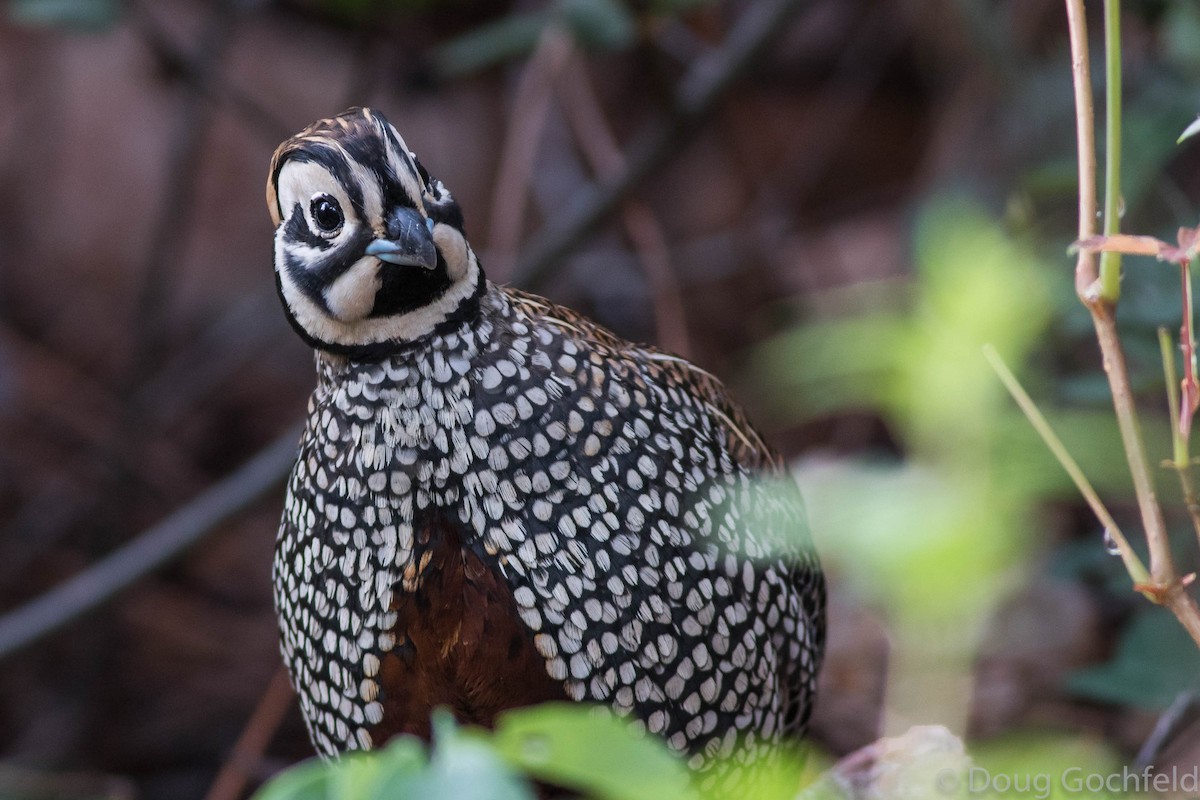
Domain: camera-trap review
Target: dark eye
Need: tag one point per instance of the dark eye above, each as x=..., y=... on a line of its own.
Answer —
x=326, y=213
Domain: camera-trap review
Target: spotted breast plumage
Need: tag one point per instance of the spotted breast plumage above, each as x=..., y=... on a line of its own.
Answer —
x=497, y=502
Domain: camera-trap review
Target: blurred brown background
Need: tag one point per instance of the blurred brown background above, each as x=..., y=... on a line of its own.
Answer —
x=143, y=355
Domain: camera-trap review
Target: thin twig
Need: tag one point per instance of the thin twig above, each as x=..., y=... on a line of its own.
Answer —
x=1085, y=141
x=148, y=551
x=248, y=750
x=1133, y=564
x=1162, y=567
x=1189, y=397
x=526, y=123
x=73, y=404
x=209, y=358
x=157, y=467
x=71, y=412
x=599, y=147
x=1179, y=714
x=1182, y=461
x=169, y=233
x=1179, y=444
x=168, y=237
x=1181, y=604
x=193, y=71
x=854, y=79
x=760, y=25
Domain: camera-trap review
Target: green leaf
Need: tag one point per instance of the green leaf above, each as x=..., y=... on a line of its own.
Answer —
x=463, y=766
x=829, y=364
x=1180, y=30
x=466, y=765
x=1155, y=661
x=588, y=749
x=307, y=781
x=599, y=24
x=82, y=15
x=507, y=38
x=467, y=769
x=382, y=774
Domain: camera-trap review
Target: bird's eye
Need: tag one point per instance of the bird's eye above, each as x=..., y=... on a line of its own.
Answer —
x=326, y=213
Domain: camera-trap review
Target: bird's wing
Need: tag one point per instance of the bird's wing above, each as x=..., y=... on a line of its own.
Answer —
x=749, y=447
x=658, y=554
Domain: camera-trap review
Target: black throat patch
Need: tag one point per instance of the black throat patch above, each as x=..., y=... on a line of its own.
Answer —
x=407, y=288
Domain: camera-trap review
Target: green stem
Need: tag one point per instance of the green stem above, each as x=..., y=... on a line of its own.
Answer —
x=1133, y=564
x=1182, y=463
x=1179, y=444
x=1110, y=263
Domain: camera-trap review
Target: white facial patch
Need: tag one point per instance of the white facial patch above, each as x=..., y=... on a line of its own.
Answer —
x=453, y=247
x=352, y=295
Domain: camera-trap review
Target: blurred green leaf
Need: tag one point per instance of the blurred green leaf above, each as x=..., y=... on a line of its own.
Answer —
x=582, y=748
x=933, y=535
x=310, y=780
x=827, y=365
x=599, y=24
x=589, y=749
x=509, y=37
x=380, y=774
x=1155, y=661
x=924, y=542
x=596, y=24
x=462, y=766
x=81, y=15
x=977, y=286
x=1181, y=36
x=356, y=776
x=1023, y=464
x=465, y=764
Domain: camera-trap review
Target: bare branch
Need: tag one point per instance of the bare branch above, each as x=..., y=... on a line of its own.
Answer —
x=193, y=70
x=1165, y=586
x=248, y=750
x=156, y=546
x=760, y=25
x=1133, y=564
x=526, y=122
x=606, y=160
x=192, y=123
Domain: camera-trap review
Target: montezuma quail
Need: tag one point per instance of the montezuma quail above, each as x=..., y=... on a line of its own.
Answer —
x=498, y=502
